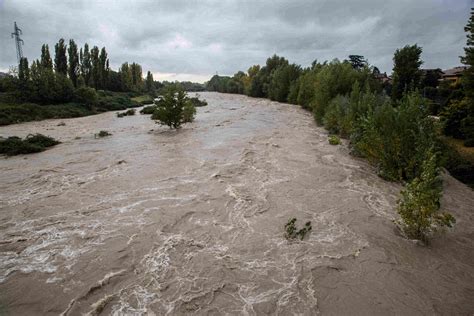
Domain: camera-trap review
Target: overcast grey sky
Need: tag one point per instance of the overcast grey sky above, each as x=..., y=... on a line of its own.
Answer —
x=192, y=40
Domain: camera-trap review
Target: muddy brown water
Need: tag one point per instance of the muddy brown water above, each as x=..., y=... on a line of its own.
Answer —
x=151, y=221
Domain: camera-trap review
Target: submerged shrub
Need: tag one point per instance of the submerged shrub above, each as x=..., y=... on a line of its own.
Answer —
x=420, y=202
x=195, y=101
x=292, y=232
x=174, y=109
x=189, y=111
x=148, y=109
x=126, y=113
x=334, y=140
x=31, y=144
x=103, y=134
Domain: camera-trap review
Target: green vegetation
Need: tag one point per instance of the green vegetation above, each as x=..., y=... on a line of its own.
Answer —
x=143, y=99
x=148, y=109
x=102, y=134
x=31, y=144
x=292, y=232
x=406, y=70
x=129, y=112
x=420, y=202
x=459, y=160
x=197, y=102
x=24, y=112
x=77, y=82
x=174, y=108
x=334, y=140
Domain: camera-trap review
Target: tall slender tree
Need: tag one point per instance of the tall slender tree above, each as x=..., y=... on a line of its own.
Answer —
x=23, y=70
x=95, y=71
x=46, y=61
x=103, y=68
x=468, y=58
x=149, y=83
x=73, y=57
x=136, y=71
x=125, y=76
x=60, y=59
x=86, y=66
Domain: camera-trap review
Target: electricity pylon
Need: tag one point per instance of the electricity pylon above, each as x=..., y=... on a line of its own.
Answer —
x=19, y=42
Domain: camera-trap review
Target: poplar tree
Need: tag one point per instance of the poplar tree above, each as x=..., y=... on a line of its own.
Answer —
x=46, y=61
x=149, y=83
x=73, y=57
x=85, y=60
x=95, y=71
x=103, y=68
x=60, y=59
x=125, y=76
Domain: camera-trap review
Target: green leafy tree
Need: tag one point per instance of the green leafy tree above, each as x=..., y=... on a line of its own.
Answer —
x=468, y=58
x=60, y=59
x=125, y=75
x=86, y=64
x=281, y=79
x=96, y=69
x=467, y=124
x=46, y=61
x=137, y=80
x=357, y=61
x=24, y=86
x=150, y=83
x=73, y=56
x=420, y=203
x=103, y=69
x=23, y=70
x=174, y=109
x=406, y=70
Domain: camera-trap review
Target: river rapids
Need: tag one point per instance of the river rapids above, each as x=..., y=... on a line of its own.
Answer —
x=151, y=221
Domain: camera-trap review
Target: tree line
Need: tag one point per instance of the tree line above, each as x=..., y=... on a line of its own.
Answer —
x=49, y=81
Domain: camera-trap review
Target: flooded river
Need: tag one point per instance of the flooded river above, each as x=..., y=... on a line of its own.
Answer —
x=151, y=221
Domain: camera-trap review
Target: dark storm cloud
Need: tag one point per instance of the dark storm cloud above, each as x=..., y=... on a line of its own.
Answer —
x=180, y=39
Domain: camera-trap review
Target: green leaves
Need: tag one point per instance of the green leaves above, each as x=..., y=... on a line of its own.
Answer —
x=292, y=232
x=420, y=202
x=174, y=109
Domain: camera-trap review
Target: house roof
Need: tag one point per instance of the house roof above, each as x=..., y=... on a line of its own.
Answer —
x=456, y=71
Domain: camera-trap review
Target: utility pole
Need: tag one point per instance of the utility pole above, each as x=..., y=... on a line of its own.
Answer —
x=18, y=40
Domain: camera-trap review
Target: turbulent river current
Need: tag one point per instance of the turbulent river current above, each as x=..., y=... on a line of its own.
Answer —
x=151, y=221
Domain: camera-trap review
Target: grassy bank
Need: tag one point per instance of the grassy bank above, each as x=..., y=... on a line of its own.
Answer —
x=12, y=113
x=143, y=99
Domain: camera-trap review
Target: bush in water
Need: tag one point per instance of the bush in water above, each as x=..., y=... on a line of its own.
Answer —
x=31, y=144
x=148, y=109
x=420, y=203
x=334, y=140
x=292, y=232
x=174, y=109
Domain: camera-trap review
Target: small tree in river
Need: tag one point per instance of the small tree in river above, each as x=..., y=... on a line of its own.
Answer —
x=174, y=109
x=420, y=203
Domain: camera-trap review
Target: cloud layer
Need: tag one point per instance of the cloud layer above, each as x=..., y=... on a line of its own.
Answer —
x=192, y=40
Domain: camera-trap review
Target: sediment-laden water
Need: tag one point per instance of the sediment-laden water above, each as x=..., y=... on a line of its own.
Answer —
x=152, y=221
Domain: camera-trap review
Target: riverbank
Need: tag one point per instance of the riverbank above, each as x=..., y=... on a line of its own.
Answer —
x=13, y=113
